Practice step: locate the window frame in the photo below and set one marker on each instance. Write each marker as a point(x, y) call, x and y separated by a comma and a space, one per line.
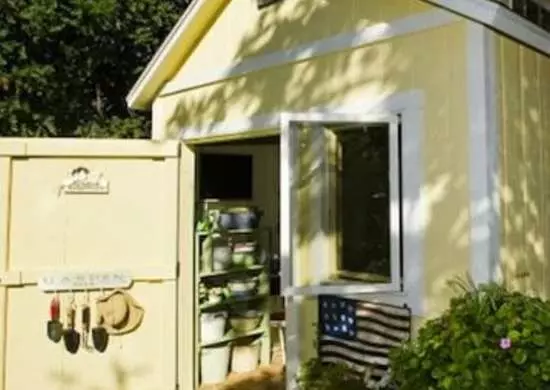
point(289, 219)
point(394, 212)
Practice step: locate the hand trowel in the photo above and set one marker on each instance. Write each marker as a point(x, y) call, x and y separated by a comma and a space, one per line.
point(54, 326)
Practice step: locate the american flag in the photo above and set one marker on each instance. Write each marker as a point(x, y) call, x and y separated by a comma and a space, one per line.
point(361, 333)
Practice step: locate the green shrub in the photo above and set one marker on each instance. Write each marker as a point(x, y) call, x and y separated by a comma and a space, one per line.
point(489, 338)
point(315, 375)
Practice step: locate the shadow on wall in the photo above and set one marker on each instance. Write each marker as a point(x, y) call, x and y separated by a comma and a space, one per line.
point(301, 85)
point(122, 378)
point(330, 80)
point(525, 211)
point(381, 70)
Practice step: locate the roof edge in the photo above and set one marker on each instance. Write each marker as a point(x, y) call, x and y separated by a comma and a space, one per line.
point(501, 19)
point(175, 47)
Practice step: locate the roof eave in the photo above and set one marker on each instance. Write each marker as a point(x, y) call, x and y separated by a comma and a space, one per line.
point(176, 46)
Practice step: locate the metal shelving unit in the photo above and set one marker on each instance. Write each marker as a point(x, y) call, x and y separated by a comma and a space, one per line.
point(217, 278)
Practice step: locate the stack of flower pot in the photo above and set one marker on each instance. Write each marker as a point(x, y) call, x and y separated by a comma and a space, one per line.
point(228, 258)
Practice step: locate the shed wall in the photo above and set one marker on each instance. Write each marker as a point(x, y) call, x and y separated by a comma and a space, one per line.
point(132, 228)
point(432, 61)
point(524, 105)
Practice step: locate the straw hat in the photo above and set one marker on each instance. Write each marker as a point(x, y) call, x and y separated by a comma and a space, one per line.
point(119, 312)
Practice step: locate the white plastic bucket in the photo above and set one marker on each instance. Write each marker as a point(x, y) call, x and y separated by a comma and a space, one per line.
point(244, 358)
point(213, 326)
point(214, 364)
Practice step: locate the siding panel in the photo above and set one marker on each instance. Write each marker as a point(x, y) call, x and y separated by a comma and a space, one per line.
point(524, 166)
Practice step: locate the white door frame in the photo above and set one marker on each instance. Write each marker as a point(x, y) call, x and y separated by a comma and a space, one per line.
point(288, 218)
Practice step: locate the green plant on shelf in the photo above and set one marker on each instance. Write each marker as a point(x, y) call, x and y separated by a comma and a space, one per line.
point(231, 300)
point(212, 295)
point(208, 224)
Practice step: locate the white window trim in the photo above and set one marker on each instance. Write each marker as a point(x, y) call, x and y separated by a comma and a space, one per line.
point(319, 175)
point(410, 107)
point(484, 153)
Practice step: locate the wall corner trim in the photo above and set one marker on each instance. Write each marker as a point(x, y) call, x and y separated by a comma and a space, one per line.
point(484, 161)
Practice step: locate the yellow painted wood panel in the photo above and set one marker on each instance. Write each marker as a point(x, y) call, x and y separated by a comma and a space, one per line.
point(187, 326)
point(437, 66)
point(141, 360)
point(5, 185)
point(131, 226)
point(302, 271)
point(509, 68)
point(432, 62)
point(544, 93)
point(134, 227)
point(243, 31)
point(532, 151)
point(367, 73)
point(309, 315)
point(71, 147)
point(524, 148)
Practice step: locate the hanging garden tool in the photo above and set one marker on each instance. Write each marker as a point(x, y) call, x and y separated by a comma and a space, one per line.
point(100, 337)
point(85, 328)
point(54, 326)
point(71, 337)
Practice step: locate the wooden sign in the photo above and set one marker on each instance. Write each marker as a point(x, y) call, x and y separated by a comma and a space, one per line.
point(82, 181)
point(73, 281)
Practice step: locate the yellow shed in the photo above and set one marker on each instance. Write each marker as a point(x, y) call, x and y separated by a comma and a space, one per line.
point(458, 88)
point(390, 146)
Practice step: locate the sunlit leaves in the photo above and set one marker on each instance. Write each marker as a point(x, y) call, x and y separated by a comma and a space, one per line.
point(489, 339)
point(66, 65)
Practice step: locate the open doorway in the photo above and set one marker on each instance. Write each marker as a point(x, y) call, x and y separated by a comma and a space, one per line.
point(237, 255)
point(245, 172)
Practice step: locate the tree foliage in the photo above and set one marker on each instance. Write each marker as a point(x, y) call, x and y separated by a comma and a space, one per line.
point(67, 65)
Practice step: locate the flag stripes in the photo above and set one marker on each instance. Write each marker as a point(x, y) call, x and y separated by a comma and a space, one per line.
point(361, 333)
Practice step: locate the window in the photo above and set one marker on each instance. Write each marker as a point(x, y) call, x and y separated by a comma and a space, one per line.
point(363, 203)
point(341, 223)
point(225, 176)
point(532, 10)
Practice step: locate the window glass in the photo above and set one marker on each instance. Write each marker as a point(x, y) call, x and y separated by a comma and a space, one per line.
point(535, 11)
point(363, 203)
